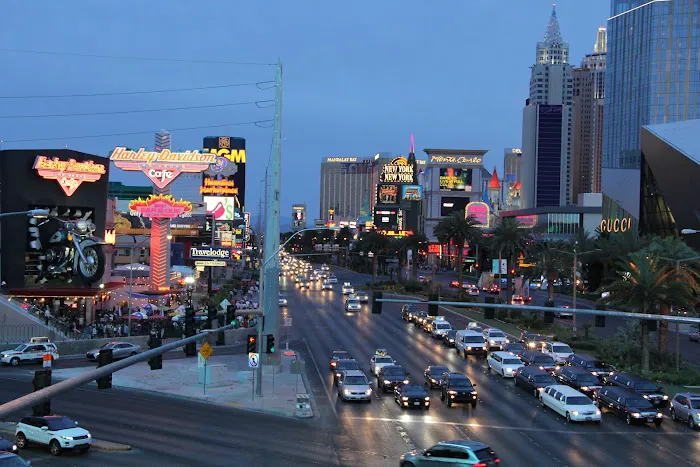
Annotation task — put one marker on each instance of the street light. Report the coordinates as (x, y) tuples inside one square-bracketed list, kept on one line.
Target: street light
[(689, 231), (131, 274), (576, 255), (39, 213)]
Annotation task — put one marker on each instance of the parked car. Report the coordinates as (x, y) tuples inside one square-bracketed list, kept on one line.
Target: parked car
[(628, 405), (460, 452), (685, 407), (119, 350), (57, 432), (570, 403)]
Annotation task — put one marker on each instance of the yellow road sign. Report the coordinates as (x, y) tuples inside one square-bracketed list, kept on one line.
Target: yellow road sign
[(206, 350)]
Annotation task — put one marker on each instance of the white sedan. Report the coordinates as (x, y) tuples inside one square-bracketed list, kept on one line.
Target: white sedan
[(377, 362)]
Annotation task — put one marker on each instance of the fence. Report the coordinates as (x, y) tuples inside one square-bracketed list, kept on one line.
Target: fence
[(20, 333)]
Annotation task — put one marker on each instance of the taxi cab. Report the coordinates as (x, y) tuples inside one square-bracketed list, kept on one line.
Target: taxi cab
[(29, 353)]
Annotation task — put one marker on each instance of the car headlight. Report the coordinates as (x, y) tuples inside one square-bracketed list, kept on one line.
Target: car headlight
[(636, 415), (646, 396), (368, 391), (469, 348), (386, 381), (507, 341), (584, 388), (452, 340), (594, 373), (432, 380), (452, 392), (597, 412), (69, 438), (531, 345), (659, 415), (540, 389), (405, 381), (574, 413), (5, 355), (509, 370), (89, 436), (665, 398), (427, 398), (346, 392), (404, 398), (14, 447), (541, 368), (337, 375), (492, 342), (333, 363)]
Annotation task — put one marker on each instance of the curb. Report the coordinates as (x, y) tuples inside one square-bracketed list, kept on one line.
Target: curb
[(108, 446)]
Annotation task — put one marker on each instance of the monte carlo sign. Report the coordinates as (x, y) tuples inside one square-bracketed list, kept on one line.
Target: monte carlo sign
[(161, 167)]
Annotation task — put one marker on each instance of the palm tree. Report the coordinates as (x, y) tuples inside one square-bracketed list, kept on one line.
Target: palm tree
[(645, 283), (343, 237), (440, 232), (675, 254), (457, 229), (510, 241), (551, 263), (415, 243), (374, 243)]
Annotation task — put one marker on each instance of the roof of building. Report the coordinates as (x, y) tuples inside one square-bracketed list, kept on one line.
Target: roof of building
[(494, 183), (683, 136), (552, 35)]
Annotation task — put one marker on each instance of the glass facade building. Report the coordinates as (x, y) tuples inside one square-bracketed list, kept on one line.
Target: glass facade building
[(653, 73)]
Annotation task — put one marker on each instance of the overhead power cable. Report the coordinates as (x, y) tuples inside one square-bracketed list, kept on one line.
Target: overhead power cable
[(154, 91), (149, 59), (118, 112), (258, 123)]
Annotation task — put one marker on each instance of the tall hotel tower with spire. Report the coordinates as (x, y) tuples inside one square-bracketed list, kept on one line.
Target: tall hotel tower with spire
[(546, 158)]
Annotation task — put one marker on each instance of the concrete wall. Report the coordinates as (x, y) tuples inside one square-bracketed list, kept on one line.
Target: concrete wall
[(80, 347)]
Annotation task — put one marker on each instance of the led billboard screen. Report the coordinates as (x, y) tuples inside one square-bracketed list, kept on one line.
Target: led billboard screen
[(452, 179)]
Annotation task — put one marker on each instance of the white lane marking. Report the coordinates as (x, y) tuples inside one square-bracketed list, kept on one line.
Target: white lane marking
[(542, 430), (323, 383)]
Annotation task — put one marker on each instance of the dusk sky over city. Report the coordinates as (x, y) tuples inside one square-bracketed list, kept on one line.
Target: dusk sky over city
[(359, 77)]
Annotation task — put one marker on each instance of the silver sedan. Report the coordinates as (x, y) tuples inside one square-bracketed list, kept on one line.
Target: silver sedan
[(119, 350)]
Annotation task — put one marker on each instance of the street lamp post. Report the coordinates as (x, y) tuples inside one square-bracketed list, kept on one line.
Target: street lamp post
[(131, 275), (678, 330), (30, 213), (576, 254)]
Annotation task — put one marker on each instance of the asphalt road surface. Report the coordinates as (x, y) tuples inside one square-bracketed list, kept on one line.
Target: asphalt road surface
[(508, 419)]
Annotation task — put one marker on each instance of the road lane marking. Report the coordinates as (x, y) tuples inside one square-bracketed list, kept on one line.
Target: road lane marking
[(323, 383), (542, 430)]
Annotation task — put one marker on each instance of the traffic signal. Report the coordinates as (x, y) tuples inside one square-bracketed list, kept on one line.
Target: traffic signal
[(433, 307), (270, 344), (221, 336), (191, 348), (377, 306), (230, 314), (252, 343), (211, 315), (104, 358), (42, 379), (156, 363)]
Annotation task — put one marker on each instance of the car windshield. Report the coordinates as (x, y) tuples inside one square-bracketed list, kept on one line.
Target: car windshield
[(587, 380), (360, 292), (20, 348), (578, 400), (544, 360), (412, 389), (562, 349), (338, 355), (438, 370), (348, 366), (355, 381), (544, 379), (485, 454), (474, 339), (695, 403), (512, 361), (516, 346), (384, 360), (496, 334), (394, 372), (646, 387), (461, 383), (353, 301), (639, 403), (60, 423), (443, 326), (597, 364)]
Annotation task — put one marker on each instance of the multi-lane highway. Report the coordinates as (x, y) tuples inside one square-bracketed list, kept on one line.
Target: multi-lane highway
[(508, 419)]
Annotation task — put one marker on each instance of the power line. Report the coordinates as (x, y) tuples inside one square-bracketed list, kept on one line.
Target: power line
[(257, 123), (85, 114), (121, 57), (155, 91)]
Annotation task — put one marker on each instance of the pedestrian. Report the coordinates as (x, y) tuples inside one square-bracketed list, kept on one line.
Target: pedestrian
[(47, 315)]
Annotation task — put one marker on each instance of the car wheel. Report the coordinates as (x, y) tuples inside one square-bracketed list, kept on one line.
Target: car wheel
[(21, 440), (14, 361), (568, 417), (691, 422), (629, 419), (55, 448), (503, 373), (673, 415)]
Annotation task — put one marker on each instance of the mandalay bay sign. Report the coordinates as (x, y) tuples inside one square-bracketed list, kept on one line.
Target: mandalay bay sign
[(161, 167)]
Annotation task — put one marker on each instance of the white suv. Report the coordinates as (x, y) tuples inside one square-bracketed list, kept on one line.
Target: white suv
[(495, 338), (57, 432), (504, 363), (29, 353), (559, 351)]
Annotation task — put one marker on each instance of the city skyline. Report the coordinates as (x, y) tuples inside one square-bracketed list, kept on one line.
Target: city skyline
[(424, 84)]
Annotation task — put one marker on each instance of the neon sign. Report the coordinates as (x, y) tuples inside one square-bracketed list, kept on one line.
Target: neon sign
[(396, 233), (341, 159), (161, 167), (160, 207), (69, 174), (616, 225), (398, 171), (455, 160), (480, 212), (218, 187)]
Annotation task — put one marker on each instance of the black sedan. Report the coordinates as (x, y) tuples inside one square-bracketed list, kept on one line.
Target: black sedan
[(391, 375), (344, 364), (433, 375), (516, 348), (533, 379), (449, 337), (7, 445), (411, 396)]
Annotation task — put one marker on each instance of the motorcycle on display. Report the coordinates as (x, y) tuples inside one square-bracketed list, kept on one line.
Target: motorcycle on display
[(69, 250)]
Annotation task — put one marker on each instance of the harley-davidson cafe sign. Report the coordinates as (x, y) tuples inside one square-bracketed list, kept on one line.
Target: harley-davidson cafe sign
[(161, 167), (69, 174)]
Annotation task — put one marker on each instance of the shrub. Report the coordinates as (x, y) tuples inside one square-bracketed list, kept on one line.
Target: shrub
[(413, 287)]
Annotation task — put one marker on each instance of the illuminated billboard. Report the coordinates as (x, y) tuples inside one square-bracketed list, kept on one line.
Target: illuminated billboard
[(222, 207), (387, 194), (69, 174), (161, 167), (452, 179), (160, 207), (480, 212), (411, 192), (226, 177), (299, 216), (397, 171)]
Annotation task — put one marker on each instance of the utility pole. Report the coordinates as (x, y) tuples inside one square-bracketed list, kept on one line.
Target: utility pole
[(270, 292)]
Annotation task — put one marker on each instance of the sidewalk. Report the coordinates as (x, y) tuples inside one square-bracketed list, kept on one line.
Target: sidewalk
[(229, 382)]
